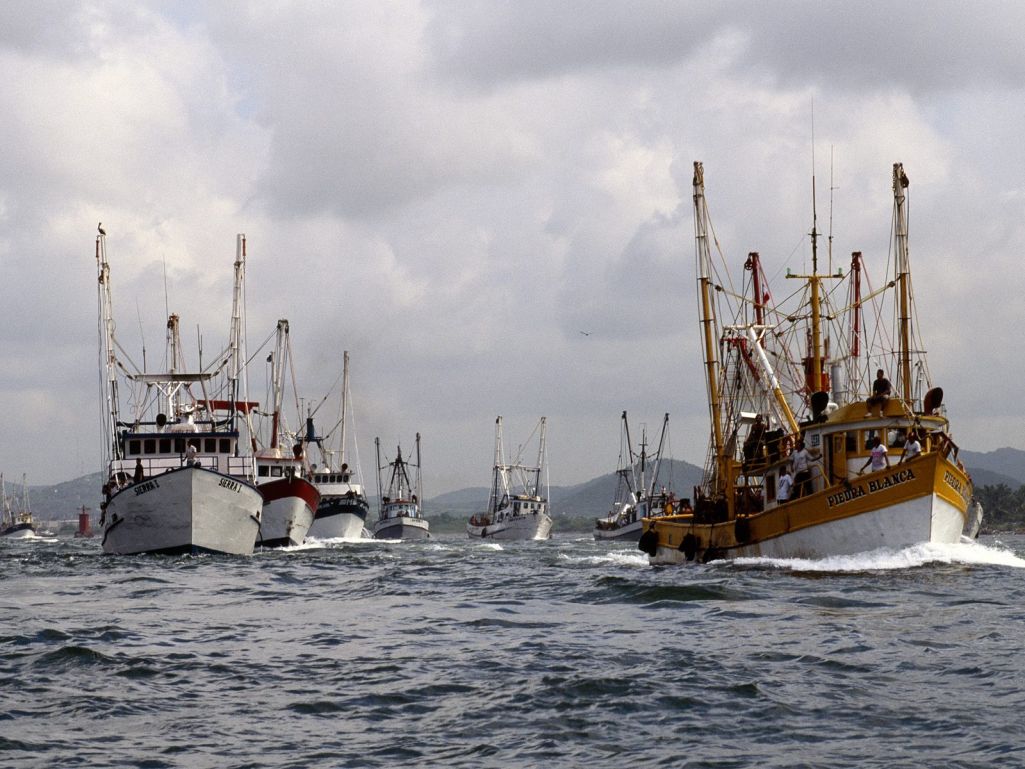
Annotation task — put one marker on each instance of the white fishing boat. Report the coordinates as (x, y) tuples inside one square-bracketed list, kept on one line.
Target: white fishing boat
[(400, 515), (639, 493), (518, 505), (16, 525), (290, 500), (178, 477), (783, 398), (343, 509)]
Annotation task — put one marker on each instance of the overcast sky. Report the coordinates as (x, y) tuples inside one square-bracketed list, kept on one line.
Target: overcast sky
[(454, 191)]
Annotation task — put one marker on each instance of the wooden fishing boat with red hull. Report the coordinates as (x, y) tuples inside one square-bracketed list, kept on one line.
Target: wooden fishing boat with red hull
[(808, 410)]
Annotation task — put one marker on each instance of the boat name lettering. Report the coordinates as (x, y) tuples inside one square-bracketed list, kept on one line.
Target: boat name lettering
[(893, 479), (856, 492), (845, 496), (142, 488), (955, 483), (233, 485)]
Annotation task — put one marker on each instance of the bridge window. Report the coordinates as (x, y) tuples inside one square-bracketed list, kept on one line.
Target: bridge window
[(262, 471), (149, 446), (225, 445), (275, 472), (165, 445), (210, 445), (179, 445), (134, 447)]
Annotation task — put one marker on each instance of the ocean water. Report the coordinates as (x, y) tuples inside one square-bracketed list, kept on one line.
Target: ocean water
[(567, 653)]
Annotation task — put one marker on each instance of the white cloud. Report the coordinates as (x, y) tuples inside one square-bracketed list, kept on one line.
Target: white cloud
[(454, 191)]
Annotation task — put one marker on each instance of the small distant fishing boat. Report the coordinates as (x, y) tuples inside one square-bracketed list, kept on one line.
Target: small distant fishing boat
[(179, 480), (517, 508), (343, 509), (289, 500), (16, 525), (400, 515), (638, 493), (801, 431)]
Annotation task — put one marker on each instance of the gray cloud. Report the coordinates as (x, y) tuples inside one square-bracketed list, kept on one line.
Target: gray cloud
[(453, 191)]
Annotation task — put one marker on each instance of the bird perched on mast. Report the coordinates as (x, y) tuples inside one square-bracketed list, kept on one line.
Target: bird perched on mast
[(99, 228)]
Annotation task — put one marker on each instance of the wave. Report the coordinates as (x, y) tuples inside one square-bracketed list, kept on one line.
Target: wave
[(613, 557), (886, 559)]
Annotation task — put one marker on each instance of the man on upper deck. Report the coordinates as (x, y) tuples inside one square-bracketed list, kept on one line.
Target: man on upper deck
[(880, 394)]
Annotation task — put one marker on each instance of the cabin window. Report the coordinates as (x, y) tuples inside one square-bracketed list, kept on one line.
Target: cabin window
[(870, 437), (179, 445), (275, 472), (262, 471), (134, 447), (165, 445), (210, 445), (196, 442), (851, 442), (149, 446), (895, 438), (770, 487)]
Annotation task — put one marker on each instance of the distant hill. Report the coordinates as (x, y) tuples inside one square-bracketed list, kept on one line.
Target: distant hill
[(1007, 462), (62, 502), (591, 498)]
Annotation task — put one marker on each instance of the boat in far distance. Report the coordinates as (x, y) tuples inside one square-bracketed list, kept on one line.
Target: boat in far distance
[(289, 499), (400, 513), (638, 493), (17, 525), (343, 509), (517, 508)]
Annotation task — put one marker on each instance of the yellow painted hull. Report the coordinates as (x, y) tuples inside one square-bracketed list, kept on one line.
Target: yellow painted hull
[(924, 500)]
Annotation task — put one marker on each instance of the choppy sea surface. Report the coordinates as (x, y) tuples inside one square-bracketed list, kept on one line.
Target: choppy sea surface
[(567, 653)]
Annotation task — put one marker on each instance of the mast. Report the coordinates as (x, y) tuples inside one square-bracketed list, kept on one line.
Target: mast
[(498, 467), (419, 479), (278, 365), (540, 460), (900, 183), (855, 304), (174, 346), (235, 336), (109, 394), (345, 401), (708, 320), (380, 492), (658, 454)]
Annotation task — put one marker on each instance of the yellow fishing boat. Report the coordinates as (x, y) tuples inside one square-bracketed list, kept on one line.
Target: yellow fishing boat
[(809, 455)]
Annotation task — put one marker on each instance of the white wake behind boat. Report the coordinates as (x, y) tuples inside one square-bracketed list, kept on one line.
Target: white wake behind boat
[(177, 482), (400, 515), (517, 510)]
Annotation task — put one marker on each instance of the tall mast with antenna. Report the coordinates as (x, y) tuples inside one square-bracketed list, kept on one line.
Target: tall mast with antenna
[(345, 403), (900, 183)]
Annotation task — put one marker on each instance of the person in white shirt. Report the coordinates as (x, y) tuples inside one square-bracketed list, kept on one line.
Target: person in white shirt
[(800, 463), (879, 458), (784, 485), (912, 448)]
